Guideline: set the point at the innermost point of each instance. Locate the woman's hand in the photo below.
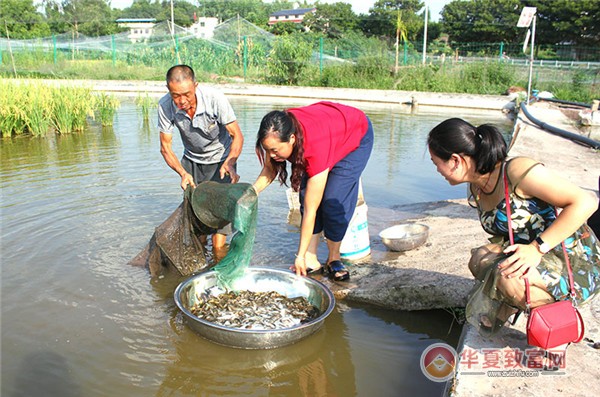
(524, 257)
(299, 266)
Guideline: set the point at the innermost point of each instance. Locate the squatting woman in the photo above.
(478, 156)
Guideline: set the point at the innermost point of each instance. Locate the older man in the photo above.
(211, 136)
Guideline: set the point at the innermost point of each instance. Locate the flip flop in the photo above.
(337, 271)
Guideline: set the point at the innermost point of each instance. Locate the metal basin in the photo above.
(256, 280)
(404, 237)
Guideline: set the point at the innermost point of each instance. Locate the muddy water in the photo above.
(76, 321)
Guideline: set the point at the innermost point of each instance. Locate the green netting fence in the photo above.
(240, 49)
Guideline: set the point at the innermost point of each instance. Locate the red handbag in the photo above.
(553, 324)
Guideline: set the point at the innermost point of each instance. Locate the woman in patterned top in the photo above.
(478, 156)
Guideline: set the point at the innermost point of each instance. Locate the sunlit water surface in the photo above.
(78, 321)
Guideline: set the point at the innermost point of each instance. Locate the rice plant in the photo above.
(106, 105)
(12, 120)
(12, 115)
(39, 111)
(62, 115)
(83, 106)
(37, 108)
(145, 103)
(72, 107)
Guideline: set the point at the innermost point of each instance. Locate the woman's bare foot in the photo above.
(312, 263)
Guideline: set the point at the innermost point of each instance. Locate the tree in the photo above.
(400, 35)
(281, 28)
(142, 9)
(22, 20)
(89, 17)
(482, 20)
(183, 12)
(567, 21)
(288, 59)
(255, 11)
(381, 20)
(332, 20)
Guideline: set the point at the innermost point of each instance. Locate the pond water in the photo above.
(78, 321)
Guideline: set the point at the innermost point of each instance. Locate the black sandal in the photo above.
(337, 271)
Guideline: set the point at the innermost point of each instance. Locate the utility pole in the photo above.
(425, 35)
(172, 20)
(525, 20)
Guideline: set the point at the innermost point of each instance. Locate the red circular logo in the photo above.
(438, 362)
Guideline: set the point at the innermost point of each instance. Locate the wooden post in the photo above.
(12, 58)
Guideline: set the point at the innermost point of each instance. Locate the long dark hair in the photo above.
(283, 124)
(484, 144)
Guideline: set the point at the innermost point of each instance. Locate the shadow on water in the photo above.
(45, 373)
(320, 365)
(311, 367)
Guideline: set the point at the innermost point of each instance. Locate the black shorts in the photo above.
(205, 172)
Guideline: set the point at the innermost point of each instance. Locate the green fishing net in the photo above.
(218, 204)
(176, 247)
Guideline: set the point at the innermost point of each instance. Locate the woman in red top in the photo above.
(328, 145)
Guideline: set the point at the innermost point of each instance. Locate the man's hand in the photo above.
(227, 170)
(187, 179)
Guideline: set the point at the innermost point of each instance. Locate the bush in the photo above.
(288, 59)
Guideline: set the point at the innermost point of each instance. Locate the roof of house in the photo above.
(133, 20)
(297, 11)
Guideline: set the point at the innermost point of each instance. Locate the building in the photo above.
(204, 27)
(295, 15)
(140, 29)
